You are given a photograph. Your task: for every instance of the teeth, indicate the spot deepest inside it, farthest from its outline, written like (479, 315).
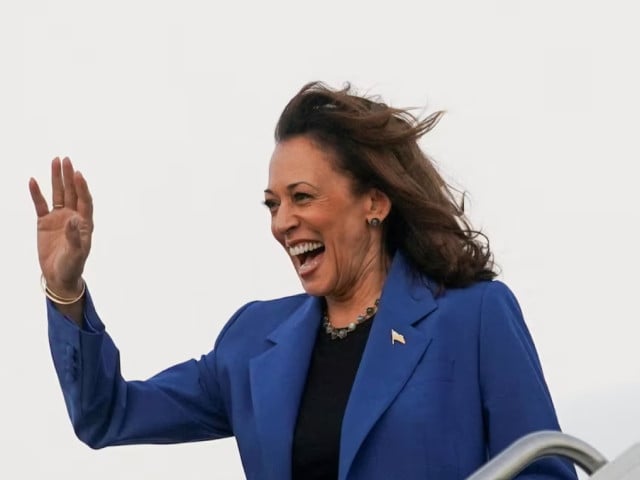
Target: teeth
(303, 248)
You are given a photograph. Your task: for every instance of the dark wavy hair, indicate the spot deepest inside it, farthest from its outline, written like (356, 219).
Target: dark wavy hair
(377, 146)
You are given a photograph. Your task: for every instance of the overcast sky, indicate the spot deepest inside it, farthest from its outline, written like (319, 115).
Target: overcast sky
(168, 109)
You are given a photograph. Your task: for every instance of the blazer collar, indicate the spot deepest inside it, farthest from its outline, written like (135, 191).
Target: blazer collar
(387, 363)
(278, 375)
(277, 379)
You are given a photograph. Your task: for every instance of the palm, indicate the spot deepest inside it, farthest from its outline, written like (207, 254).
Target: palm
(64, 233)
(58, 258)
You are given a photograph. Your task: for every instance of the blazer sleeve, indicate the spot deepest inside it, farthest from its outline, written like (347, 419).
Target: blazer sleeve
(181, 404)
(516, 400)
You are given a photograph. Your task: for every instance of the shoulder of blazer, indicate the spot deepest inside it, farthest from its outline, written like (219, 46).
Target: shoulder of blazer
(472, 295)
(262, 315)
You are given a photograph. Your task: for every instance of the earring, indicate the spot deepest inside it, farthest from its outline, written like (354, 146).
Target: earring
(374, 222)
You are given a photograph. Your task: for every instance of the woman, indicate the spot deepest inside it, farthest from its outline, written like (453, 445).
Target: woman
(402, 359)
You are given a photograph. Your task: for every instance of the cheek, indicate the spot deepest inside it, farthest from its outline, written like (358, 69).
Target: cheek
(349, 249)
(354, 233)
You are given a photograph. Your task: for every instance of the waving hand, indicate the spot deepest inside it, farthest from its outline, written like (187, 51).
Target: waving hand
(64, 231)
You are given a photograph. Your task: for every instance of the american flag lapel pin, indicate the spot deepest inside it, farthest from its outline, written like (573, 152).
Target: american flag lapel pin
(396, 337)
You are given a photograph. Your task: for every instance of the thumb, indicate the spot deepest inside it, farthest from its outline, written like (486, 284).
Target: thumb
(72, 231)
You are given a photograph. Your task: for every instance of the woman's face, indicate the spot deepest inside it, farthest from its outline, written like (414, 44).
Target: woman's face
(319, 221)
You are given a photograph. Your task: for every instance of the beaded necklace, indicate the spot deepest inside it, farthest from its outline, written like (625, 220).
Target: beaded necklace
(340, 333)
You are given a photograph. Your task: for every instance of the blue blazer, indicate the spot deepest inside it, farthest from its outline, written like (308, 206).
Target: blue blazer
(464, 385)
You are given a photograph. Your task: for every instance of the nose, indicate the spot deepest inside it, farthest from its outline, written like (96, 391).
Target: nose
(284, 220)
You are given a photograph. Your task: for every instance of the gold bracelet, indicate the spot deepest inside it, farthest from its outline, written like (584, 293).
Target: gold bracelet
(55, 298)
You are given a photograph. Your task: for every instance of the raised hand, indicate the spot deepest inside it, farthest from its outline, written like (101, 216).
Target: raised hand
(64, 232)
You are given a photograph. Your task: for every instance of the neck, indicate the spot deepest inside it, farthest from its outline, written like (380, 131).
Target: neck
(344, 308)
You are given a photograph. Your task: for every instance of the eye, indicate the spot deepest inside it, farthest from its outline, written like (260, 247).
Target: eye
(271, 204)
(300, 197)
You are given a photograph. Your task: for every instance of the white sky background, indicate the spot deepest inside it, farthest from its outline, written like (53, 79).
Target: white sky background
(168, 109)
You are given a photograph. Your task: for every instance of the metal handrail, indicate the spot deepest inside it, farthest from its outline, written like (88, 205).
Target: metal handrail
(534, 446)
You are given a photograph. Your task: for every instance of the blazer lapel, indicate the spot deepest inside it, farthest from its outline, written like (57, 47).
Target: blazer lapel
(277, 379)
(386, 366)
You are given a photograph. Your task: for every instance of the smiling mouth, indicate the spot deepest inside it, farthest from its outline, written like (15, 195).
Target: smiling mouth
(306, 254)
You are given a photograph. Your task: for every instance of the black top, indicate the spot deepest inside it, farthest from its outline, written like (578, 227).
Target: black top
(333, 367)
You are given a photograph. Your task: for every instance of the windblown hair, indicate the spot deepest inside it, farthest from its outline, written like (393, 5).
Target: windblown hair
(377, 146)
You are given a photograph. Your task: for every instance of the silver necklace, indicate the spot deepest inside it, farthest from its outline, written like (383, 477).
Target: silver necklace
(342, 332)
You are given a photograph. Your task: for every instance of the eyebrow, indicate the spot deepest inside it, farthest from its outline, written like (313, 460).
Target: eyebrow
(291, 186)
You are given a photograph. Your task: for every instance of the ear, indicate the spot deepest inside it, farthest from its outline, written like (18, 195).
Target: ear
(379, 204)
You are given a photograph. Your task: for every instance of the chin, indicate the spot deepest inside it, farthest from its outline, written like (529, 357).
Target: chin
(314, 288)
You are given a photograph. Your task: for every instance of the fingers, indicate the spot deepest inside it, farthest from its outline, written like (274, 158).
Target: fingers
(57, 184)
(85, 202)
(70, 190)
(70, 196)
(38, 199)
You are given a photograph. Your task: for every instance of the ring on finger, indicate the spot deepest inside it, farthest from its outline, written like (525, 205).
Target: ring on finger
(58, 205)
